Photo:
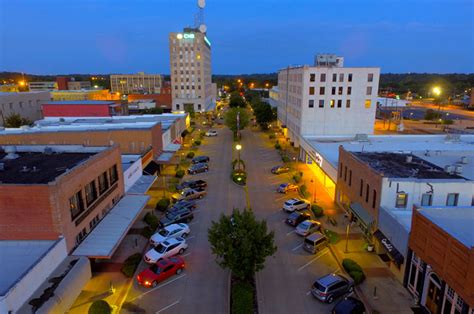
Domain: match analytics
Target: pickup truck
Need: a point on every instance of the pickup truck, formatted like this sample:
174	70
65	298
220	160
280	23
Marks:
191	184
189	194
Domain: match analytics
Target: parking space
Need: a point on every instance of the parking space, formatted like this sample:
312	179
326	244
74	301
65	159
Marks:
203	286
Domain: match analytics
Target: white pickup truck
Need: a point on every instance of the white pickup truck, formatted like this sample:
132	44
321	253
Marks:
189	194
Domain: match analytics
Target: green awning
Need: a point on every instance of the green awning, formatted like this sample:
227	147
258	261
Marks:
362	214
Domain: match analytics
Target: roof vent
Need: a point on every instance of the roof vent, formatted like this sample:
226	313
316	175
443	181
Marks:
361	137
34	169
25	127
453	138
25	169
458	169
463	160
449	169
11	152
409	159
427	153
48	150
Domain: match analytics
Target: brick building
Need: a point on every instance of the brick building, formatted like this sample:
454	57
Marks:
441	273
83	108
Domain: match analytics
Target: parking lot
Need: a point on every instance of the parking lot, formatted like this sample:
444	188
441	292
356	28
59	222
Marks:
203	286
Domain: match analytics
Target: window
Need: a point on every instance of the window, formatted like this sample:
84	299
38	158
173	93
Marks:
91	193
348	103
367	193
321	103
323	77
333	90
311	90
349	77
312	77
367	103
370	77
332	103
103	183
76	205
361	187
426	199
452	199
345	173
94	222
374	198
350	177
339	91
311	103
80	236
321	90
349	90
401	201
341	77
334	77
199	106
177	106
113	173
340	170
339	103
369	90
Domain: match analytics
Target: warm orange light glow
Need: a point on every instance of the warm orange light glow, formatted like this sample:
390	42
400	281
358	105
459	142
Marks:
22	83
239	80
266	85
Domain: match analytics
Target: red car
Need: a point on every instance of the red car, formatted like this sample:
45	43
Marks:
160	271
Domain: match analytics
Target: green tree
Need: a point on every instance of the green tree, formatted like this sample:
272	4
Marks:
430	114
230	118
236	100
100	307
241	243
153	111
15	121
264	115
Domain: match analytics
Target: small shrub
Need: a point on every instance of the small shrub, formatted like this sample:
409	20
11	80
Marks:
147	232
354	270
151	220
179	173
358	276
130	265
192	123
242	298
162	204
448	121
190	155
277	146
317	210
239	177
296	178
271	136
285	158
197	143
100	307
202	133
303	191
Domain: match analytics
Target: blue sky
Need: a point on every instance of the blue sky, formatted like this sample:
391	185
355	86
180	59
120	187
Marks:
248	36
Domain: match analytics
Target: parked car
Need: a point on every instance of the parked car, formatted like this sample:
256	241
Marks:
286	187
191	184
211	133
349	305
189	194
200	159
296	218
315	242
331	286
183	204
170	231
308	227
180	215
280	169
296	204
170	247
161	271
198	168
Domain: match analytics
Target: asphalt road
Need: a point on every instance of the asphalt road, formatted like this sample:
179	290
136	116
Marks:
284	284
419	113
203	286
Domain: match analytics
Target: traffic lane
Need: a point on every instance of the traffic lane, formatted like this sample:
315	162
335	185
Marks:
419	113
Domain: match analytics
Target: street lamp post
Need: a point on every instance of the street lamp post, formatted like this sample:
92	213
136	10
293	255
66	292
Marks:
437	92
238	147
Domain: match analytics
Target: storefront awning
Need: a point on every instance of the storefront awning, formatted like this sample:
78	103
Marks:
142	185
165	158
172	147
107	235
389	247
362	213
152	168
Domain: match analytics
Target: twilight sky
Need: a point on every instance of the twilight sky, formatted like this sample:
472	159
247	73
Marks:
247	36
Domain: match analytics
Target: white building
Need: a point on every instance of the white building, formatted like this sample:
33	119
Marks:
42	86
327	99
26	104
190	68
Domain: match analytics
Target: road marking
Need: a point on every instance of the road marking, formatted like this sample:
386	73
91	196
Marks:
298	247
193	223
188	238
308	293
167	307
185	254
291	232
157	287
313	260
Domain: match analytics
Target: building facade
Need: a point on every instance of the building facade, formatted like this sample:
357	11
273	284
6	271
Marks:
83	108
99	94
78	85
72	187
441	267
42	86
139	83
327	99
26	104
190	68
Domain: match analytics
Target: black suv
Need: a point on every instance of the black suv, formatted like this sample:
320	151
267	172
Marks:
191	184
182	204
349	305
180	215
200	159
198	168
296	218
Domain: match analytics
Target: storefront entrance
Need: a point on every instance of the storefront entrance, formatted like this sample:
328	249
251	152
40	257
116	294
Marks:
433	298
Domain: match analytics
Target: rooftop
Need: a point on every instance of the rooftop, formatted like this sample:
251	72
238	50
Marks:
31	164
396	165
81	102
457	221
17	257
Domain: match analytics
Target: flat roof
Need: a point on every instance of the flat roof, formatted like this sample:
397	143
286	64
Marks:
107	235
457	221
440	150
81	102
142	185
17	257
38	166
128	160
396	165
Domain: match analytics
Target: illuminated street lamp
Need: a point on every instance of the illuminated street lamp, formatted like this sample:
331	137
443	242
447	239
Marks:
238	147
22	83
437	92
